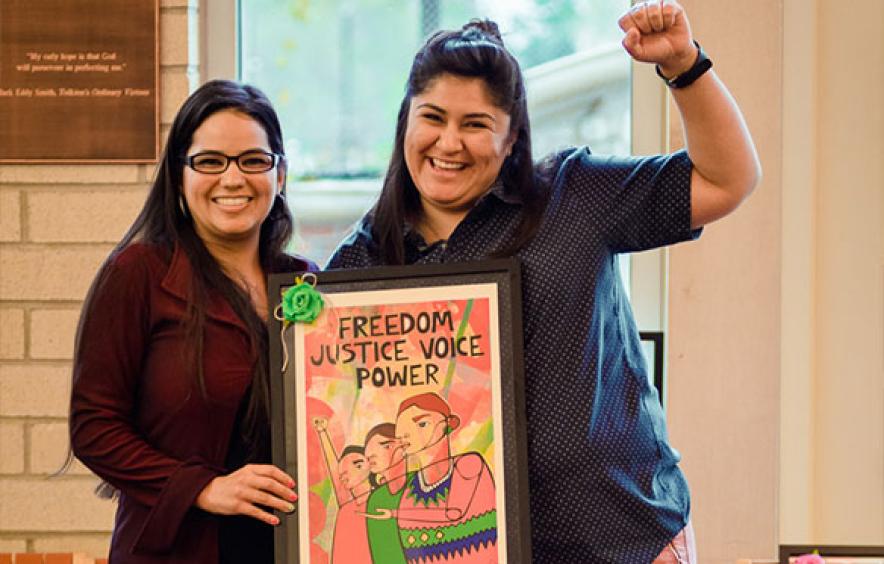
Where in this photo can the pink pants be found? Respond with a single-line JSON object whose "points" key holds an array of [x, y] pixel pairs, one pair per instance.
{"points": [[681, 550]]}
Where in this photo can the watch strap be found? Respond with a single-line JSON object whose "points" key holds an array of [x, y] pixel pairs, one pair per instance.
{"points": [[700, 66]]}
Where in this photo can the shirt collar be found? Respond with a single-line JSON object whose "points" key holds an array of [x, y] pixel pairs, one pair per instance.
{"points": [[497, 190], [177, 278], [414, 238], [177, 282], [507, 196]]}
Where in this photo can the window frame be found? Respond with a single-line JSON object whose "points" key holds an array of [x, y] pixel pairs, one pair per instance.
{"points": [[650, 107]]}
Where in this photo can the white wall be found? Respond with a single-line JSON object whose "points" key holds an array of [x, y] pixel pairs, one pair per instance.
{"points": [[848, 416], [724, 313], [832, 453], [777, 314]]}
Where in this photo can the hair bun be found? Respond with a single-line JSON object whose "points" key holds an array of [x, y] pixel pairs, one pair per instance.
{"points": [[485, 28]]}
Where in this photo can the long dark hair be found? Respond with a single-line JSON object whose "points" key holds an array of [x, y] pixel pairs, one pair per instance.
{"points": [[164, 222], [475, 51]]}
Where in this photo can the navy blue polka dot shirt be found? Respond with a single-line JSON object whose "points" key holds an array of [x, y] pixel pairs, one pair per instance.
{"points": [[604, 482]]}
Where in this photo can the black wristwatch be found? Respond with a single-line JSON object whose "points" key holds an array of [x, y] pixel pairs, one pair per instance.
{"points": [[701, 65]]}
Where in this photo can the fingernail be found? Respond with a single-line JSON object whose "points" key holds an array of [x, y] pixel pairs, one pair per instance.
{"points": [[291, 483], [274, 521], [293, 497], [291, 507]]}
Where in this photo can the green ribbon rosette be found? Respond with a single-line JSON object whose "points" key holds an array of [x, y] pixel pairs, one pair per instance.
{"points": [[302, 303]]}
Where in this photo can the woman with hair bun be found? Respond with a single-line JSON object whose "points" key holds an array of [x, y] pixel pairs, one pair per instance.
{"points": [[462, 185]]}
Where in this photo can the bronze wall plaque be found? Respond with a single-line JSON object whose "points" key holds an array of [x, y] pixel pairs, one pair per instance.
{"points": [[79, 81]]}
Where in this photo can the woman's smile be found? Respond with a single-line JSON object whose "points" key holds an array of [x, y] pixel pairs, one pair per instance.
{"points": [[446, 166], [232, 201]]}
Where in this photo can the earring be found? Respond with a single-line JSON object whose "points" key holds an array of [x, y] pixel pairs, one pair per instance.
{"points": [[181, 205]]}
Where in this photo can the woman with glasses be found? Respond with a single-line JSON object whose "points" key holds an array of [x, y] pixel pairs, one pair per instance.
{"points": [[170, 402], [462, 185]]}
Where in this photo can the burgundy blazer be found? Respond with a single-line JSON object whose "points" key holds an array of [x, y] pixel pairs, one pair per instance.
{"points": [[136, 418]]}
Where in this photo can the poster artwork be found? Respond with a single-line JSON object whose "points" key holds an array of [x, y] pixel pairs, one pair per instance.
{"points": [[400, 395]]}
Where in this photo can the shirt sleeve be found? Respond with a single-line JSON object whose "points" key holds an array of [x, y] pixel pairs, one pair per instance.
{"points": [[111, 343], [297, 262], [636, 203], [355, 251]]}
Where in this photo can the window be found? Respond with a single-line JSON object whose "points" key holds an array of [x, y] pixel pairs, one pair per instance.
{"points": [[336, 70]]}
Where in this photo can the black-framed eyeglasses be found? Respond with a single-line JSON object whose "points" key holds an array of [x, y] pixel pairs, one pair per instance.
{"points": [[215, 162]]}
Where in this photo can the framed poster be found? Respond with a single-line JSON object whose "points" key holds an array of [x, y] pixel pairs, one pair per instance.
{"points": [[79, 81], [790, 553], [399, 412]]}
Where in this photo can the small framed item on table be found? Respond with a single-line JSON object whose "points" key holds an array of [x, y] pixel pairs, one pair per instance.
{"points": [[831, 554]]}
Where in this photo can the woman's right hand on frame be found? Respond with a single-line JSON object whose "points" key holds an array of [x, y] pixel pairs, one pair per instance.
{"points": [[243, 491]]}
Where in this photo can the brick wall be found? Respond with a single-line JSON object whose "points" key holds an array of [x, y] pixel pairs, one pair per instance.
{"points": [[57, 223], [49, 558]]}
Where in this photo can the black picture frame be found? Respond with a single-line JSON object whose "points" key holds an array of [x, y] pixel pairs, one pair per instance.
{"points": [[655, 340], [495, 285], [855, 554]]}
